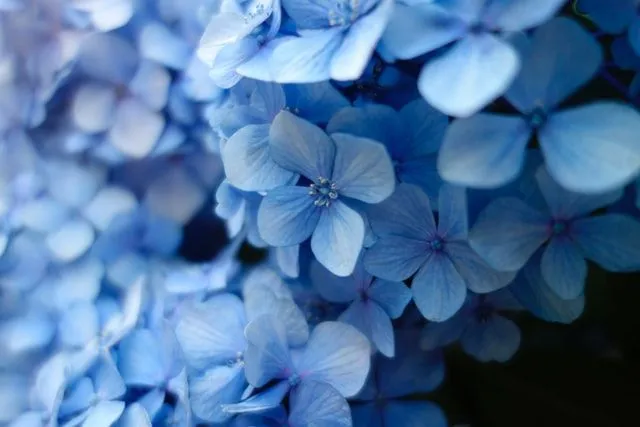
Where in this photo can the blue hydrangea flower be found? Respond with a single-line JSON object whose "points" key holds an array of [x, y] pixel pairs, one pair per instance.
{"points": [[412, 137], [508, 232], [483, 332], [336, 40], [335, 354], [339, 168], [372, 302], [487, 150], [479, 66], [409, 241], [387, 398]]}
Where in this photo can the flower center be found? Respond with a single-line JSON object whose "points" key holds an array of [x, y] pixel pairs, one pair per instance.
{"points": [[436, 244], [324, 191], [537, 118], [294, 380], [559, 227], [344, 13]]}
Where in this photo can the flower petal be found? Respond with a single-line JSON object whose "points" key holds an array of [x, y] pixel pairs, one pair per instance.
{"points": [[338, 238], [287, 216], [483, 151], [318, 404], [215, 387], [592, 149], [393, 297], [267, 356], [396, 257], [474, 72], [299, 146], [507, 233], [564, 268], [478, 275], [248, 164], [362, 169], [496, 339]]}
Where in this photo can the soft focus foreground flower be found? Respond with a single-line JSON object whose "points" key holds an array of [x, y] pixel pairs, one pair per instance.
{"points": [[279, 212]]}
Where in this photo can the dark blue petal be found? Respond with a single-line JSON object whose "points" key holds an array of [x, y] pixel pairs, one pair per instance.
{"points": [[564, 268]]}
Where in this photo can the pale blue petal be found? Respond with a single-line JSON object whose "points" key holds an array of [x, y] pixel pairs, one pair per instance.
{"points": [[496, 339], [97, 53], [417, 29], [565, 204], [407, 213], [564, 268], [248, 164], [612, 241], [212, 389], [362, 169], [71, 240], [338, 238], [317, 404], [474, 72], [109, 202], [287, 216], [592, 149], [336, 354], [331, 287], [73, 184], [134, 416], [152, 401], [438, 289], [43, 214], [305, 59], [151, 85], [351, 58], [478, 275], [507, 233], [560, 58], [267, 356], [224, 69], [287, 259], [140, 359], [104, 414], [396, 257], [159, 44], [136, 128], [79, 324], [393, 297], [212, 332], [412, 414], [28, 333], [268, 97], [93, 107], [521, 14], [263, 401], [299, 146], [309, 14], [484, 151]]}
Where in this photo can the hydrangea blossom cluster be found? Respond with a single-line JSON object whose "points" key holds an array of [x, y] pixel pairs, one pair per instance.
{"points": [[409, 175]]}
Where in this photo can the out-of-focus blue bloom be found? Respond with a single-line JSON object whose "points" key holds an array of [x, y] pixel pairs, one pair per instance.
{"points": [[336, 40], [479, 66], [409, 241], [487, 150], [383, 400], [412, 137], [339, 168], [508, 232], [105, 15], [483, 332], [372, 302], [612, 16]]}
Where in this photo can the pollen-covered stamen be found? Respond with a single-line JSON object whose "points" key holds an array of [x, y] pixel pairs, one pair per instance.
{"points": [[324, 191], [294, 380], [345, 12], [237, 361]]}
